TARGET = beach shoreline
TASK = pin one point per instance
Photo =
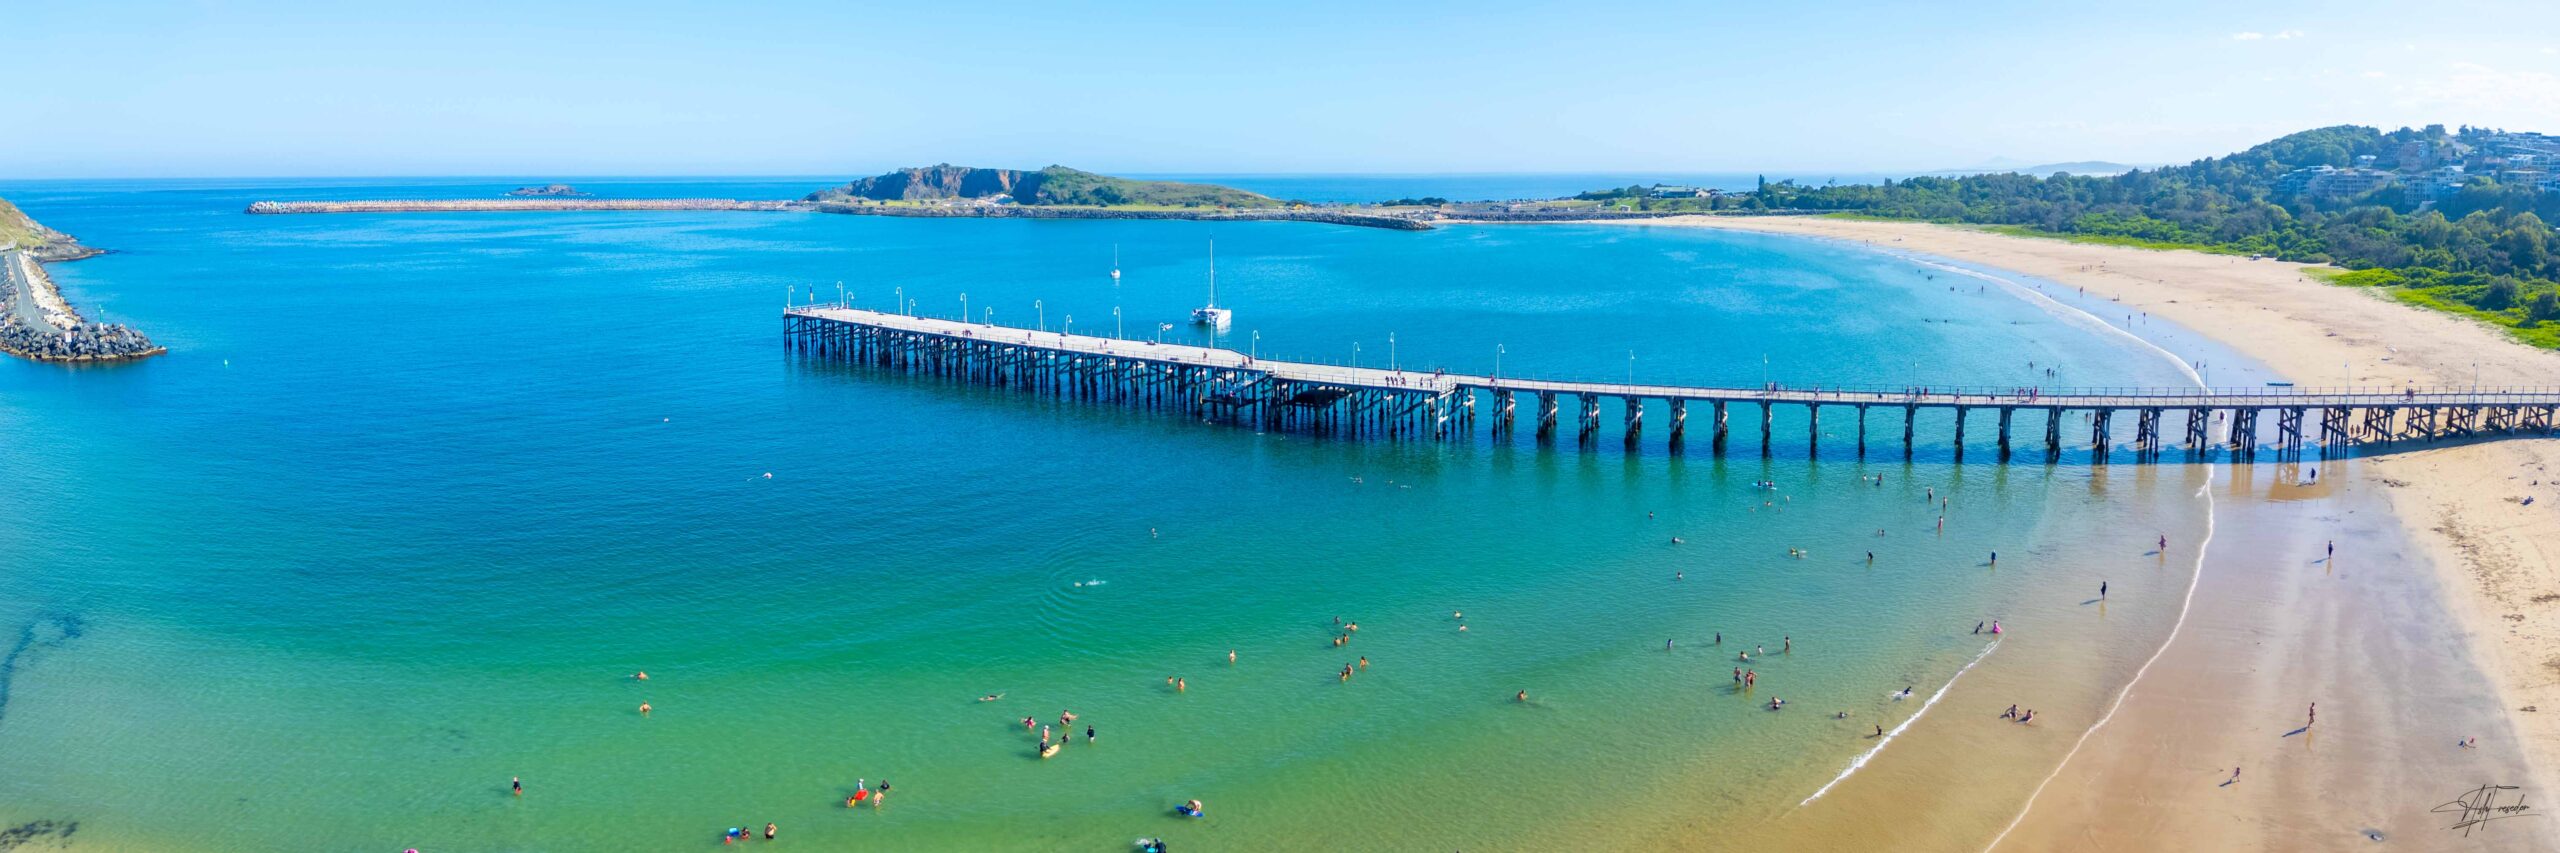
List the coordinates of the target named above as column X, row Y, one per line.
column 2457, row 507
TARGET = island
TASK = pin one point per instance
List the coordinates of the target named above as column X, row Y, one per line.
column 550, row 190
column 35, row 321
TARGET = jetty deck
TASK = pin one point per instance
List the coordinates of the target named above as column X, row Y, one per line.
column 1228, row 386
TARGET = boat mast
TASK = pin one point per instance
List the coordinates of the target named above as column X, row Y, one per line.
column 1213, row 273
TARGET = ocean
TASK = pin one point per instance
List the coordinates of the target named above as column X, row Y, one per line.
column 413, row 496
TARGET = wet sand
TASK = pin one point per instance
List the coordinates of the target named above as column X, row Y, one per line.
column 2427, row 630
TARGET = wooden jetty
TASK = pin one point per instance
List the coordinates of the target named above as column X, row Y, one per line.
column 1223, row 385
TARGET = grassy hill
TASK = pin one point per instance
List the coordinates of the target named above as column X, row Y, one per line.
column 47, row 244
column 1062, row 185
column 1053, row 186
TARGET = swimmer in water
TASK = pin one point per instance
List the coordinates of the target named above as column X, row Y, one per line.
column 644, row 709
column 516, row 782
column 1364, row 661
column 1522, row 696
column 640, row 676
column 1231, row 656
column 991, row 697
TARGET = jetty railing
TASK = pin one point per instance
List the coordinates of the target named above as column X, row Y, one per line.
column 1225, row 385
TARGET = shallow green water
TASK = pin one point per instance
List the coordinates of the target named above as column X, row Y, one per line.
column 414, row 495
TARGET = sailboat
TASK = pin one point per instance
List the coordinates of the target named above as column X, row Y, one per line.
column 1211, row 315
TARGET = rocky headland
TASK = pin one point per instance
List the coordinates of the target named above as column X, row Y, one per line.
column 548, row 190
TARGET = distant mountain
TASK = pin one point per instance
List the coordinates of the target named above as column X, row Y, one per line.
column 2089, row 168
column 1056, row 185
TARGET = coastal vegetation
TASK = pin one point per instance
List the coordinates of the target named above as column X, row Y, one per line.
column 2457, row 221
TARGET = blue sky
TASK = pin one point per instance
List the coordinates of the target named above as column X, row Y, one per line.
column 223, row 88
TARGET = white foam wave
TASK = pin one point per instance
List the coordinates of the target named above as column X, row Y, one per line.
column 1861, row 760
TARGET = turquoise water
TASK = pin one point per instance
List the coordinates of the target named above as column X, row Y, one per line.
column 413, row 495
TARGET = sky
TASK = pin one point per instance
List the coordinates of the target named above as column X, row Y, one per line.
column 225, row 88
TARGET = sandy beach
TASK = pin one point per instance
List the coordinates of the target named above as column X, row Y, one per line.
column 2438, row 620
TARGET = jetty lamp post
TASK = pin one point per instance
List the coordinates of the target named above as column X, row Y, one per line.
column 1256, row 352
column 1355, row 354
column 1043, row 311
column 991, row 315
column 902, row 300
column 1118, row 329
column 839, row 294
column 1631, row 367
column 1071, row 325
column 1391, row 350
column 1497, row 361
column 964, row 307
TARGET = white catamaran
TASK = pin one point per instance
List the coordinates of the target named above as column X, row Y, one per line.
column 1211, row 315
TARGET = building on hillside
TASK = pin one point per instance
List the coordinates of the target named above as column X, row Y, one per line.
column 2333, row 182
column 2417, row 156
column 1676, row 191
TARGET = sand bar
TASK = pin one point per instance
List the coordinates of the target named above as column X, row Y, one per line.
column 2385, row 651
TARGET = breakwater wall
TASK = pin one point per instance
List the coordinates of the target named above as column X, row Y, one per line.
column 36, row 323
column 1607, row 216
column 518, row 205
column 1331, row 217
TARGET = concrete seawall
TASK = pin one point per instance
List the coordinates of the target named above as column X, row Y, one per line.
column 1331, row 217
column 509, row 205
